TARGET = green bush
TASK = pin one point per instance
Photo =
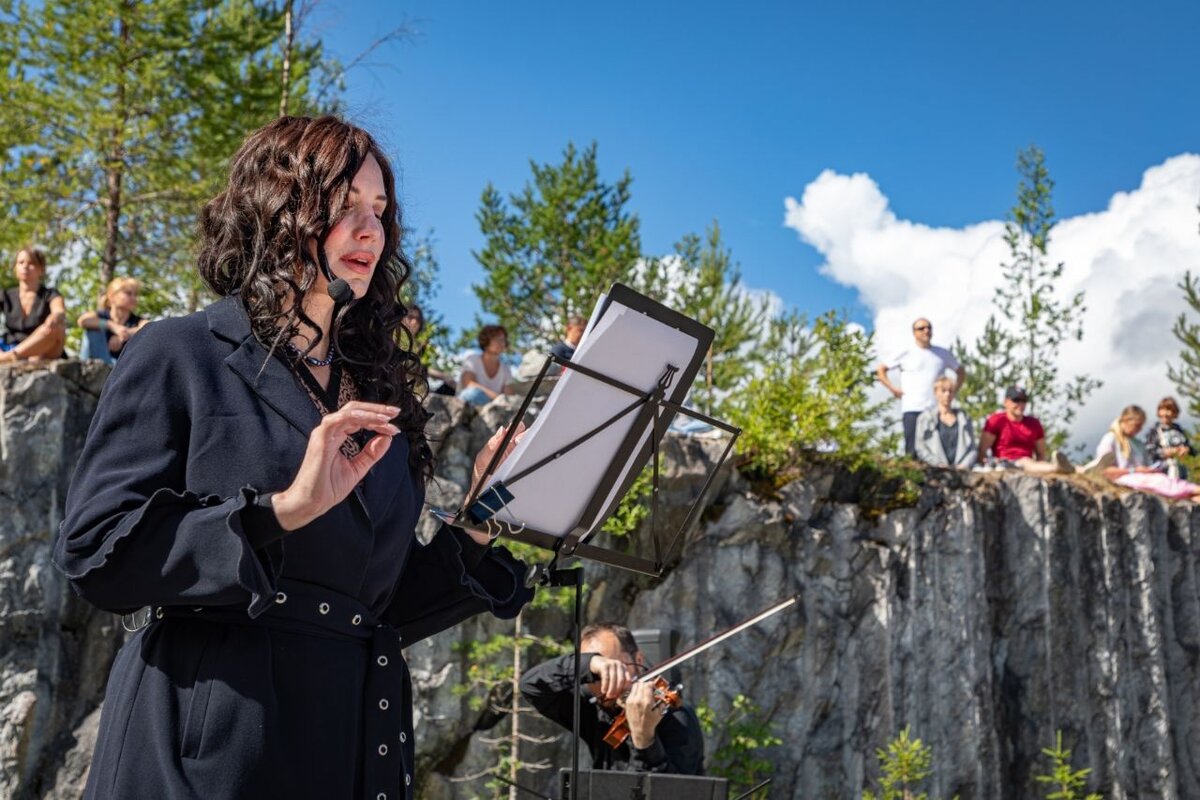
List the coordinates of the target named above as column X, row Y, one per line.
column 745, row 734
column 1067, row 783
column 905, row 763
column 810, row 397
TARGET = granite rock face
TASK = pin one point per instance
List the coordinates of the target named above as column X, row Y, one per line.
column 55, row 650
column 999, row 609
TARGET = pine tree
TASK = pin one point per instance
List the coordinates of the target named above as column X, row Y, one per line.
column 702, row 281
column 1186, row 376
column 989, row 368
column 553, row 249
column 1035, row 322
column 116, row 122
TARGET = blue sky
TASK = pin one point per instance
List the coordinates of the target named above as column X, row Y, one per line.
column 721, row 111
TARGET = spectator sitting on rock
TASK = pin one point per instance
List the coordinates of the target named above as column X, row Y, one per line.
column 566, row 348
column 944, row 434
column 414, row 322
column 116, row 321
column 484, row 375
column 1166, row 442
column 918, row 366
column 35, row 315
column 1133, row 468
column 1016, row 439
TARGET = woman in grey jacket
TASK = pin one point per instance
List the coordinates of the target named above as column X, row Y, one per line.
column 944, row 435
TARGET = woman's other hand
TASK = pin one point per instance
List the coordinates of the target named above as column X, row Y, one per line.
column 326, row 476
column 485, row 457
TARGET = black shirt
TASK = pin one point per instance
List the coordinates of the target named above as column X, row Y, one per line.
column 949, row 437
column 678, row 745
column 17, row 324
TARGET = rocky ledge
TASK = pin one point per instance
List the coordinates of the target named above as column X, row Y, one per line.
column 999, row 609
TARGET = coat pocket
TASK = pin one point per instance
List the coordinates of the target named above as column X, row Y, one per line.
column 197, row 707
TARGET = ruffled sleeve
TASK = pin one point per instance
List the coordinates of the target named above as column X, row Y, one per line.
column 133, row 534
column 453, row 578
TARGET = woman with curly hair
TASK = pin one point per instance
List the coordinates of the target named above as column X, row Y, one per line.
column 253, row 475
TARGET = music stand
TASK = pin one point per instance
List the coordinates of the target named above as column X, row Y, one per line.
column 628, row 434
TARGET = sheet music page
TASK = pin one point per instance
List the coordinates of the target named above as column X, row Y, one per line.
column 624, row 344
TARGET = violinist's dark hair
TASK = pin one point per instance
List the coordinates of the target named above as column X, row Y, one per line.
column 624, row 636
column 288, row 185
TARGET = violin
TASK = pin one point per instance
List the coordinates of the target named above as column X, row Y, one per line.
column 666, row 697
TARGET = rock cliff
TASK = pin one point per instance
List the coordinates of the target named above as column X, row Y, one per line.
column 997, row 610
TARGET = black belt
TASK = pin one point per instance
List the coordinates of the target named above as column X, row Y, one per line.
column 303, row 608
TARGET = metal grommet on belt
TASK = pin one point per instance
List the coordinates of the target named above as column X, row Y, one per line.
column 403, row 738
column 383, row 749
column 381, row 796
column 408, row 780
column 281, row 597
column 357, row 619
column 158, row 613
column 323, row 608
column 381, row 661
column 383, row 706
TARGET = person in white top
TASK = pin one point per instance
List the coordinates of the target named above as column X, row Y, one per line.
column 484, row 376
column 919, row 366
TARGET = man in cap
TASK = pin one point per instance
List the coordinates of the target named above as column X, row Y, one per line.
column 1012, row 436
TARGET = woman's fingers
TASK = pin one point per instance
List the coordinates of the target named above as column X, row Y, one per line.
column 369, row 455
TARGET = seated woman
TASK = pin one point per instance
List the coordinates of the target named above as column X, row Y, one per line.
column 1166, row 442
column 484, row 376
column 35, row 316
column 1133, row 468
column 944, row 436
column 116, row 322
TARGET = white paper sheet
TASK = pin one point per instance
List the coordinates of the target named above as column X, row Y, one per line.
column 623, row 344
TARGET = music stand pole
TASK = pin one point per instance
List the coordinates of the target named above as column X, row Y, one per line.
column 569, row 577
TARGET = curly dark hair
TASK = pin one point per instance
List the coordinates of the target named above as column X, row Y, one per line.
column 288, row 185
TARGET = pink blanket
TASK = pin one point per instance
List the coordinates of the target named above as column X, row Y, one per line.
column 1159, row 483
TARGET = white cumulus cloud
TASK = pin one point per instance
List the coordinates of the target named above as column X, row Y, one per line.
column 1128, row 259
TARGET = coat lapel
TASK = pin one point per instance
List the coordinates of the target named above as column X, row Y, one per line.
column 267, row 377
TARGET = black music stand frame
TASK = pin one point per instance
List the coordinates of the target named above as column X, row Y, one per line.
column 653, row 409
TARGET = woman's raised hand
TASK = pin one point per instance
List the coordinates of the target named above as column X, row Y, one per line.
column 484, row 458
column 326, row 476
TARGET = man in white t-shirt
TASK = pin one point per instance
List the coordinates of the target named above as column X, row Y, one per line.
column 919, row 367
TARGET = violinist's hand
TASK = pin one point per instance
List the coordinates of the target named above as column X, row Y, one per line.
column 642, row 714
column 484, row 458
column 614, row 675
column 326, row 476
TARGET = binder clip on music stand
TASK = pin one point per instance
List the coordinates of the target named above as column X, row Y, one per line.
column 602, row 423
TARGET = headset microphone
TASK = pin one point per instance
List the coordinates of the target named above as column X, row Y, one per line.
column 339, row 290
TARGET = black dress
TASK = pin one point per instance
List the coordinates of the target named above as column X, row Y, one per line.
column 17, row 324
column 272, row 665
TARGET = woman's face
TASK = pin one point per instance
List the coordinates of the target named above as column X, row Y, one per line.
column 1131, row 425
column 944, row 393
column 27, row 270
column 497, row 344
column 355, row 243
column 124, row 298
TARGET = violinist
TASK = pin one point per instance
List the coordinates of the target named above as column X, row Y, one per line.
column 657, row 742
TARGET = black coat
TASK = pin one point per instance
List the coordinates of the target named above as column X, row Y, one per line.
column 272, row 664
column 678, row 745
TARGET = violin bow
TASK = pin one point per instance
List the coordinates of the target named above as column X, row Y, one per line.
column 749, row 622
